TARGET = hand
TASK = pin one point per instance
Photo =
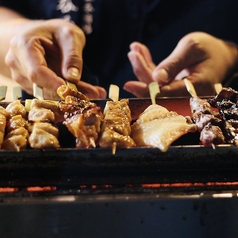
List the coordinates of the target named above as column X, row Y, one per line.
column 201, row 58
column 48, row 53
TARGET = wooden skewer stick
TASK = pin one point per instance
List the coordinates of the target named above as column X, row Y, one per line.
column 114, row 95
column 92, row 142
column 38, row 92
column 3, row 92
column 154, row 91
column 218, row 87
column 16, row 93
column 193, row 93
column 213, row 146
column 190, row 88
column 114, row 92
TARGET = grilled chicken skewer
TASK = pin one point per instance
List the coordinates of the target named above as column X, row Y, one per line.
column 81, row 117
column 116, row 125
column 17, row 127
column 42, row 119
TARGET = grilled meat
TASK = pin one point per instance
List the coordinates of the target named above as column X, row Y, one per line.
column 81, row 117
column 16, row 137
column 158, row 127
column 116, row 126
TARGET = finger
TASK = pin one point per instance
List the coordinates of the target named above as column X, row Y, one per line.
column 145, row 53
column 92, row 92
column 140, row 67
column 23, row 81
column 138, row 89
column 177, row 88
column 71, row 41
column 187, row 53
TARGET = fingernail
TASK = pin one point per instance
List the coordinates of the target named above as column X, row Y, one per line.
column 162, row 75
column 73, row 73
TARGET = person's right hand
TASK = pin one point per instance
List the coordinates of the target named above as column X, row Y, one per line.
column 201, row 58
column 48, row 53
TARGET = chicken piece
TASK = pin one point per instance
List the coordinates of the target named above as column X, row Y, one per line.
column 16, row 122
column 211, row 135
column 64, row 91
column 16, row 139
column 199, row 105
column 110, row 136
column 44, row 136
column 16, row 108
column 201, row 120
column 4, row 115
column 41, row 115
column 82, row 117
column 208, row 121
column 161, row 128
column 116, row 126
column 50, row 113
column 85, row 127
column 43, row 133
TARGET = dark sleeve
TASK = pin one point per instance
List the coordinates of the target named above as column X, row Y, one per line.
column 16, row 5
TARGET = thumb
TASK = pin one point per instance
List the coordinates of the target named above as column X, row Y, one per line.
column 186, row 54
column 72, row 42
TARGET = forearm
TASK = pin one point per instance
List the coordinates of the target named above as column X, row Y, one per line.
column 11, row 24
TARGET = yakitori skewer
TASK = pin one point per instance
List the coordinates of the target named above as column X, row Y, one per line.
column 114, row 96
column 3, row 92
column 154, row 91
column 116, row 125
column 204, row 117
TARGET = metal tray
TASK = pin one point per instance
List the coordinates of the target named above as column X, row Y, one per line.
column 185, row 161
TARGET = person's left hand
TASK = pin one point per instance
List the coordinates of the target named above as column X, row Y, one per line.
column 200, row 57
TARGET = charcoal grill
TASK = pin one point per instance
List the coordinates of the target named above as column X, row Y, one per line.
column 72, row 192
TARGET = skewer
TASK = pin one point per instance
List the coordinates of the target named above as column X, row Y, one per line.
column 72, row 86
column 114, row 95
column 154, row 91
column 92, row 142
column 3, row 92
column 38, row 92
column 218, row 87
column 114, row 92
column 213, row 146
column 190, row 88
column 16, row 93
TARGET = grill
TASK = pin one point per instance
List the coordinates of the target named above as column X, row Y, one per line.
column 184, row 184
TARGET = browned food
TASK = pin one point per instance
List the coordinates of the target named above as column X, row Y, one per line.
column 211, row 134
column 208, row 121
column 43, row 132
column 158, row 127
column 16, row 108
column 44, row 135
column 4, row 115
column 116, row 126
column 64, row 91
column 16, row 137
column 227, row 104
column 43, row 110
column 81, row 117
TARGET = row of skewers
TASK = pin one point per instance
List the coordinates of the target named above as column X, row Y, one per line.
column 35, row 124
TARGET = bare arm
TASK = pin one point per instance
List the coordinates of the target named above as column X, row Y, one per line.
column 45, row 52
column 11, row 23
